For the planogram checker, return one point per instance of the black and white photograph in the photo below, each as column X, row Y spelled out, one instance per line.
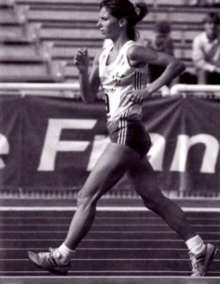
column 109, row 141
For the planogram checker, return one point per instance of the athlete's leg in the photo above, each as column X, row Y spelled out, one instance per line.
column 112, row 165
column 144, row 180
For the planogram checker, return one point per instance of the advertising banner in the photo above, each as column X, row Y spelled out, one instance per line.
column 186, row 137
column 11, row 142
column 53, row 143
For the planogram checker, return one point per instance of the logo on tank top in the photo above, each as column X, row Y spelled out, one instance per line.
column 117, row 78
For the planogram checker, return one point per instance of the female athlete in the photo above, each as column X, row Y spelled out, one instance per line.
column 120, row 70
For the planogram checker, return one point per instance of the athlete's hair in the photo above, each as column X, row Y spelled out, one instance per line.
column 134, row 13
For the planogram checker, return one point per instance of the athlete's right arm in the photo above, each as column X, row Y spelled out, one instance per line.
column 89, row 82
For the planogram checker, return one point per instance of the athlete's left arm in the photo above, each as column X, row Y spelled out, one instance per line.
column 138, row 56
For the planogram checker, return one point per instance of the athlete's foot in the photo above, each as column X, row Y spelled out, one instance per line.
column 201, row 262
column 51, row 261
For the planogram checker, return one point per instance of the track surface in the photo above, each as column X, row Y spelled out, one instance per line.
column 119, row 243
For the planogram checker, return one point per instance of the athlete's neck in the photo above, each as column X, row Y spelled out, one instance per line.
column 119, row 42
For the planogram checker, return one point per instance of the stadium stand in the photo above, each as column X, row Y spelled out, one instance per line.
column 22, row 57
column 44, row 34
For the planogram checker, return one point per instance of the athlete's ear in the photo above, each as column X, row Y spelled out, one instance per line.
column 122, row 22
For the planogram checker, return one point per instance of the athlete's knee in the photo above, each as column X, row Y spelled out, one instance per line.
column 86, row 200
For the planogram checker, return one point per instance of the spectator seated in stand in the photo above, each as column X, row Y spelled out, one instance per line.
column 160, row 41
column 206, row 51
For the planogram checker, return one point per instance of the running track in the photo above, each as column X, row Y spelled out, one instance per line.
column 123, row 246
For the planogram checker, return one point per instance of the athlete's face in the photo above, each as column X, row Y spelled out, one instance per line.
column 108, row 24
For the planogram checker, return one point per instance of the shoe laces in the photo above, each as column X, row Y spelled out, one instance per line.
column 47, row 254
column 193, row 262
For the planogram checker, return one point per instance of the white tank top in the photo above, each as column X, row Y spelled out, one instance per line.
column 117, row 80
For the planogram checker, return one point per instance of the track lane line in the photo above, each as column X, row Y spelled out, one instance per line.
column 102, row 209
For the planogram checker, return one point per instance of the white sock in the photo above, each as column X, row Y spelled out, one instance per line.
column 65, row 252
column 195, row 244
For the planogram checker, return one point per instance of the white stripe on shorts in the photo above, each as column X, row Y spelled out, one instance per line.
column 123, row 124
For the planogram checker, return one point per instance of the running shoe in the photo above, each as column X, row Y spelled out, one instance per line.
column 49, row 261
column 200, row 263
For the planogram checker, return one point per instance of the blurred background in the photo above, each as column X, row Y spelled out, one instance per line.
column 50, row 141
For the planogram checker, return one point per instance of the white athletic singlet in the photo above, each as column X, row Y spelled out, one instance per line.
column 117, row 80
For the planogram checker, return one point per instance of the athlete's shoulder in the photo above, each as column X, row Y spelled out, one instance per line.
column 107, row 46
column 107, row 43
column 96, row 58
column 136, row 52
column 100, row 55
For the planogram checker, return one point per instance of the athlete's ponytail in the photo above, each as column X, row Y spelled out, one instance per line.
column 140, row 11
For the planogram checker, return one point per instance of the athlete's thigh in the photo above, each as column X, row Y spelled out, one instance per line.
column 143, row 179
column 111, row 166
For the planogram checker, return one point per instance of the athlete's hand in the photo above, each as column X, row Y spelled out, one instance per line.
column 81, row 60
column 137, row 96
